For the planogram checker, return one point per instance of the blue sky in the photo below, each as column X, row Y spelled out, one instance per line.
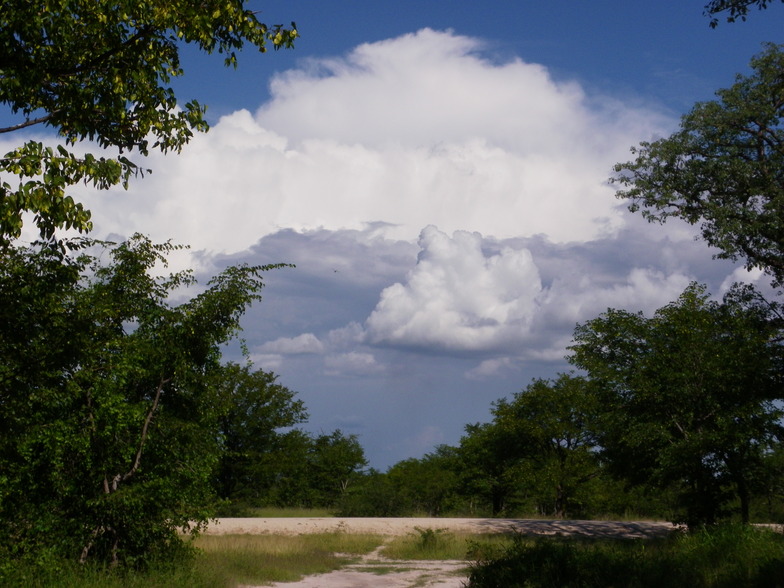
column 661, row 51
column 437, row 172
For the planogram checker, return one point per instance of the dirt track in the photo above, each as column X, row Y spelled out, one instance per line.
column 375, row 571
column 402, row 526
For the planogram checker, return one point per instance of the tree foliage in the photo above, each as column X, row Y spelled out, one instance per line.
column 723, row 170
column 552, row 425
column 488, row 455
column 256, row 408
column 100, row 71
column 737, row 9
column 335, row 461
column 109, row 414
column 537, row 449
column 688, row 396
column 426, row 485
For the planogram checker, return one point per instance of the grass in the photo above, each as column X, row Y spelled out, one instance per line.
column 255, row 559
column 223, row 561
column 438, row 544
column 729, row 556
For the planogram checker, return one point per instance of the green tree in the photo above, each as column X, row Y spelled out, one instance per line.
column 335, row 461
column 374, row 495
column 689, row 396
column 110, row 420
column 101, row 71
column 256, row 408
column 287, row 470
column 487, row 455
column 723, row 169
column 428, row 484
column 552, row 425
column 737, row 9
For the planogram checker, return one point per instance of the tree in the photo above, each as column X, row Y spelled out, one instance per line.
column 335, row 461
column 100, row 71
column 723, row 169
column 428, row 484
column 551, row 423
column 256, row 408
column 738, row 9
column 110, row 420
column 374, row 495
column 487, row 455
column 689, row 396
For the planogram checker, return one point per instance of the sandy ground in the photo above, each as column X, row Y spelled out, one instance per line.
column 375, row 571
column 403, row 526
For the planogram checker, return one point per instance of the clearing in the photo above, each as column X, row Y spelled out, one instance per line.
column 376, row 571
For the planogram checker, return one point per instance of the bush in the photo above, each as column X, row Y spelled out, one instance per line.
column 727, row 556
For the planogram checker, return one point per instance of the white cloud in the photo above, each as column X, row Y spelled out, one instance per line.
column 305, row 343
column 580, row 297
column 457, row 298
column 354, row 363
column 490, row 368
column 267, row 361
column 351, row 334
column 742, row 275
column 467, row 293
column 417, row 130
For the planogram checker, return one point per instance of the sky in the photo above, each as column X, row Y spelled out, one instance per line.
column 437, row 172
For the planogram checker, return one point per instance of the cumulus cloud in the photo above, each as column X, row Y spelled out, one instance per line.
column 458, row 298
column 468, row 293
column 305, row 343
column 418, row 130
column 490, row 368
column 267, row 361
column 354, row 363
column 580, row 296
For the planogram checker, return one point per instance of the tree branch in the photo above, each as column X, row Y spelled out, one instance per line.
column 28, row 123
column 147, row 419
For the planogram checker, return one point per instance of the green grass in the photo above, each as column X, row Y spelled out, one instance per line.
column 729, row 556
column 255, row 559
column 223, row 561
column 438, row 544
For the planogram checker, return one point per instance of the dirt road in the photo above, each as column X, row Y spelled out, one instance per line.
column 402, row 526
column 375, row 571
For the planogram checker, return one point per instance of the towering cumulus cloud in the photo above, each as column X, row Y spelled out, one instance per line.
column 458, row 298
column 424, row 129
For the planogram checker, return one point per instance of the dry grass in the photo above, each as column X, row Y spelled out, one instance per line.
column 439, row 544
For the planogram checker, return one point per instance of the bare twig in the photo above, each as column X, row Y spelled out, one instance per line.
column 28, row 123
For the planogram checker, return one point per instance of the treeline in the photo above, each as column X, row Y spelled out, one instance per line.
column 675, row 416
column 263, row 466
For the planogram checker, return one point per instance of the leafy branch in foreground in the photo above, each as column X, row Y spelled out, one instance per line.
column 737, row 9
column 110, row 402
column 723, row 170
column 100, row 71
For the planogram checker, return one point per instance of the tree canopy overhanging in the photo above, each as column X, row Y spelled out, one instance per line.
column 733, row 9
column 100, row 71
column 723, row 170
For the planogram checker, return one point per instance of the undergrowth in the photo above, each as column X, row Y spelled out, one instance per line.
column 727, row 556
column 222, row 561
column 439, row 544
